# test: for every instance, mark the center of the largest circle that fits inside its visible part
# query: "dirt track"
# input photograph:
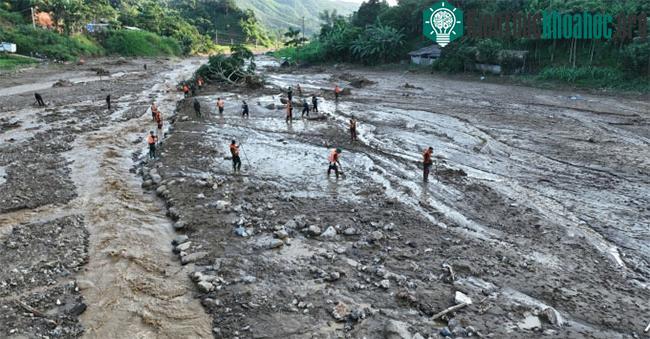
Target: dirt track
(539, 203)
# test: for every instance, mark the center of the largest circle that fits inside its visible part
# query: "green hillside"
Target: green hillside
(281, 14)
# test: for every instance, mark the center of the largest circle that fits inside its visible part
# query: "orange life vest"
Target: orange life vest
(334, 157)
(234, 150)
(338, 89)
(151, 139)
(186, 88)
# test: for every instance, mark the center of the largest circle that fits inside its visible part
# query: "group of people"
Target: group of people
(334, 157)
(153, 139)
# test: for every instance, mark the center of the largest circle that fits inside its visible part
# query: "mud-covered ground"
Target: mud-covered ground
(84, 251)
(539, 205)
(537, 210)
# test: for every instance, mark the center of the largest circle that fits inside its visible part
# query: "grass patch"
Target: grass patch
(593, 77)
(310, 53)
(8, 61)
(43, 43)
(140, 44)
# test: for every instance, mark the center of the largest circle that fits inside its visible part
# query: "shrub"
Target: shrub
(140, 43)
(488, 51)
(636, 58)
(44, 43)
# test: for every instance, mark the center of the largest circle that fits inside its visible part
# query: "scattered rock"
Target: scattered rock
(530, 322)
(281, 234)
(179, 225)
(551, 316)
(396, 330)
(350, 231)
(376, 236)
(242, 232)
(445, 332)
(341, 311)
(205, 286)
(461, 298)
(385, 284)
(330, 232)
(63, 83)
(190, 258)
(268, 243)
(179, 240)
(313, 230)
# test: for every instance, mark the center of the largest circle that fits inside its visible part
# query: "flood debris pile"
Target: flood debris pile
(237, 69)
(39, 296)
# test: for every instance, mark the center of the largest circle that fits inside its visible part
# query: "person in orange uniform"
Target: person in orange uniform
(151, 140)
(334, 162)
(353, 129)
(427, 162)
(236, 161)
(220, 105)
(337, 92)
(186, 90)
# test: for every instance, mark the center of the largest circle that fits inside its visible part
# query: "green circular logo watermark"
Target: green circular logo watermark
(443, 23)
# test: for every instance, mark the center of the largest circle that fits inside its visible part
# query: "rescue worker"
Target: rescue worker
(314, 103)
(197, 108)
(186, 90)
(337, 92)
(353, 129)
(290, 94)
(220, 105)
(289, 118)
(200, 82)
(159, 122)
(151, 140)
(154, 109)
(333, 159)
(39, 100)
(305, 108)
(236, 161)
(108, 101)
(427, 163)
(145, 67)
(299, 90)
(193, 88)
(244, 109)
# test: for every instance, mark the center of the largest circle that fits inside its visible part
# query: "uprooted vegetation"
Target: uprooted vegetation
(236, 69)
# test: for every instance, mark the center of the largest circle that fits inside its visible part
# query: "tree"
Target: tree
(368, 12)
(293, 38)
(378, 43)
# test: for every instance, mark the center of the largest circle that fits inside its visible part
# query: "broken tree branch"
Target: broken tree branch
(37, 313)
(449, 310)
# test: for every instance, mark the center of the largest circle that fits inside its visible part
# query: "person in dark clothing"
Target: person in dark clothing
(314, 103)
(108, 101)
(353, 129)
(290, 94)
(145, 67)
(289, 118)
(305, 108)
(151, 140)
(193, 88)
(427, 163)
(197, 108)
(39, 99)
(236, 161)
(244, 109)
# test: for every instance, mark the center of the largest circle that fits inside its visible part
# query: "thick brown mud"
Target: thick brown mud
(105, 270)
(538, 203)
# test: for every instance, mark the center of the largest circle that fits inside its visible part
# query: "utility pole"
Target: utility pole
(303, 30)
(33, 17)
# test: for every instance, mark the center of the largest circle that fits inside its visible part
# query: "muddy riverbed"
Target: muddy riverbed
(536, 211)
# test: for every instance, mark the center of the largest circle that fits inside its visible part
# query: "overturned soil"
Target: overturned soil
(536, 213)
(538, 204)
